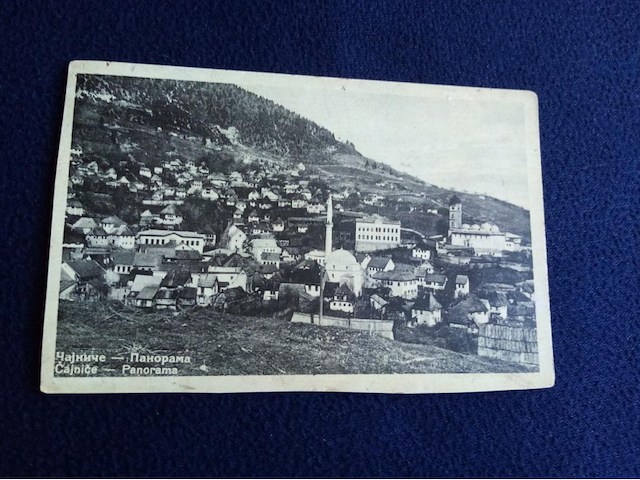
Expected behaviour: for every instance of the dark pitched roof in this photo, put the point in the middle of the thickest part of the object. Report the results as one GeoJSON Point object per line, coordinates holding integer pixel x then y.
{"type": "Point", "coordinates": [435, 277]}
{"type": "Point", "coordinates": [378, 262]}
{"type": "Point", "coordinates": [175, 279]}
{"type": "Point", "coordinates": [330, 288]}
{"type": "Point", "coordinates": [147, 293]}
{"type": "Point", "coordinates": [86, 269]}
{"type": "Point", "coordinates": [455, 200]}
{"type": "Point", "coordinates": [344, 290]}
{"type": "Point", "coordinates": [188, 293]}
{"type": "Point", "coordinates": [427, 303]}
{"type": "Point", "coordinates": [394, 275]}
{"type": "Point", "coordinates": [113, 220]}
{"type": "Point", "coordinates": [496, 299]}
{"type": "Point", "coordinates": [306, 276]}
{"type": "Point", "coordinates": [361, 256]}
{"type": "Point", "coordinates": [167, 294]}
{"type": "Point", "coordinates": [123, 258]}
{"type": "Point", "coordinates": [270, 256]}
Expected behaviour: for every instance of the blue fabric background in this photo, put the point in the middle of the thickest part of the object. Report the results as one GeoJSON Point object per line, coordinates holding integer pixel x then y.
{"type": "Point", "coordinates": [583, 60]}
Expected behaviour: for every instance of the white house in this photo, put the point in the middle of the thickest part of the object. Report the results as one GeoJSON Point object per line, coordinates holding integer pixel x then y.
{"type": "Point", "coordinates": [162, 237]}
{"type": "Point", "coordinates": [229, 277]}
{"type": "Point", "coordinates": [209, 194]}
{"type": "Point", "coordinates": [343, 300]}
{"type": "Point", "coordinates": [379, 264]}
{"type": "Point", "coordinates": [435, 281]}
{"type": "Point", "coordinates": [110, 224]}
{"type": "Point", "coordinates": [75, 208]}
{"type": "Point", "coordinates": [264, 245]}
{"type": "Point", "coordinates": [421, 251]}
{"type": "Point", "coordinates": [426, 311]}
{"type": "Point", "coordinates": [402, 283]}
{"type": "Point", "coordinates": [462, 286]}
{"type": "Point", "coordinates": [84, 225]}
{"type": "Point", "coordinates": [277, 225]}
{"type": "Point", "coordinates": [316, 255]}
{"type": "Point", "coordinates": [207, 288]}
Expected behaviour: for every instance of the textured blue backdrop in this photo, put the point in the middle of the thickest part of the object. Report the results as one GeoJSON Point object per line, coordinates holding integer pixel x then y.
{"type": "Point", "coordinates": [582, 59]}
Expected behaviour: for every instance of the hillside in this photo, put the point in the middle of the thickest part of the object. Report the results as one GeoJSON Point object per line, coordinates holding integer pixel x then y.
{"type": "Point", "coordinates": [232, 345]}
{"type": "Point", "coordinates": [223, 113]}
{"type": "Point", "coordinates": [226, 128]}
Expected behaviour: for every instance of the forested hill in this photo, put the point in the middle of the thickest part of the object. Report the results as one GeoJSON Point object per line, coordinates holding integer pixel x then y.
{"type": "Point", "coordinates": [204, 109]}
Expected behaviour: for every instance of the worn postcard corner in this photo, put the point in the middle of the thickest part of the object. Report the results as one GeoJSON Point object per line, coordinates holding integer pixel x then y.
{"type": "Point", "coordinates": [226, 231]}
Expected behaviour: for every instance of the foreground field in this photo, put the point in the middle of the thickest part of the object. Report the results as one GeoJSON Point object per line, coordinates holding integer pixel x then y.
{"type": "Point", "coordinates": [221, 344]}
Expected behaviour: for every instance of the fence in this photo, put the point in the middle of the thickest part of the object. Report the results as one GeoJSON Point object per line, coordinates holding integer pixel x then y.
{"type": "Point", "coordinates": [382, 328]}
{"type": "Point", "coordinates": [510, 343]}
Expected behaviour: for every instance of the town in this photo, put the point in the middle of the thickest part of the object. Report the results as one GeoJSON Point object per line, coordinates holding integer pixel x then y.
{"type": "Point", "coordinates": [273, 238]}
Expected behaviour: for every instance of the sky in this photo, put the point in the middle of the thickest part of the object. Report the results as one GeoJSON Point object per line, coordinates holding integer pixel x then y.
{"type": "Point", "coordinates": [465, 145]}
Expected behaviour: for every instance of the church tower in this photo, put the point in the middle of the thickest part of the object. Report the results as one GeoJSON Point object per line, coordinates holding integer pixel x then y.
{"type": "Point", "coordinates": [328, 235]}
{"type": "Point", "coordinates": [455, 212]}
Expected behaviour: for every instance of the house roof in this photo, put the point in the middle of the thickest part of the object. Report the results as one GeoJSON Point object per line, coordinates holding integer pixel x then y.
{"type": "Point", "coordinates": [98, 231]}
{"type": "Point", "coordinates": [113, 220]}
{"type": "Point", "coordinates": [462, 279]}
{"type": "Point", "coordinates": [188, 293]}
{"type": "Point", "coordinates": [123, 258]}
{"type": "Point", "coordinates": [268, 269]}
{"type": "Point", "coordinates": [307, 276]}
{"type": "Point", "coordinates": [148, 292]}
{"type": "Point", "coordinates": [496, 299]}
{"type": "Point", "coordinates": [184, 255]}
{"type": "Point", "coordinates": [208, 280]}
{"type": "Point", "coordinates": [395, 276]}
{"type": "Point", "coordinates": [428, 302]}
{"type": "Point", "coordinates": [375, 218]}
{"type": "Point", "coordinates": [379, 300]}
{"type": "Point", "coordinates": [344, 290]}
{"type": "Point", "coordinates": [435, 278]}
{"type": "Point", "coordinates": [169, 210]}
{"type": "Point", "coordinates": [167, 294]}
{"type": "Point", "coordinates": [141, 281]}
{"type": "Point", "coordinates": [143, 259]}
{"type": "Point", "coordinates": [163, 233]}
{"type": "Point", "coordinates": [84, 222]}
{"type": "Point", "coordinates": [175, 279]}
{"type": "Point", "coordinates": [85, 268]}
{"type": "Point", "coordinates": [471, 304]}
{"type": "Point", "coordinates": [455, 200]}
{"type": "Point", "coordinates": [270, 256]}
{"type": "Point", "coordinates": [378, 262]}
{"type": "Point", "coordinates": [330, 288]}
{"type": "Point", "coordinates": [361, 256]}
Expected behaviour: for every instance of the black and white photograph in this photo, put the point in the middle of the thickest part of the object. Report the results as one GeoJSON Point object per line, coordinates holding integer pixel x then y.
{"type": "Point", "coordinates": [236, 231]}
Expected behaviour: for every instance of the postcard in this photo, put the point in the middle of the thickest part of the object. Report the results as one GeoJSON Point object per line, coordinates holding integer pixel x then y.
{"type": "Point", "coordinates": [226, 231]}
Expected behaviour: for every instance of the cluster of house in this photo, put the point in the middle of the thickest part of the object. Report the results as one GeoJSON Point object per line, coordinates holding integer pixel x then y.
{"type": "Point", "coordinates": [154, 265]}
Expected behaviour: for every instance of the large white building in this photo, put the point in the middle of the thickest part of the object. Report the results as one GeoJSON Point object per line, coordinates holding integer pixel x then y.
{"type": "Point", "coordinates": [376, 232]}
{"type": "Point", "coordinates": [161, 237]}
{"type": "Point", "coordinates": [484, 238]}
{"type": "Point", "coordinates": [264, 245]}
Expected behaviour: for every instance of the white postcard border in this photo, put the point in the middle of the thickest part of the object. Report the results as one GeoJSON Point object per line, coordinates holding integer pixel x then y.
{"type": "Point", "coordinates": [365, 383]}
